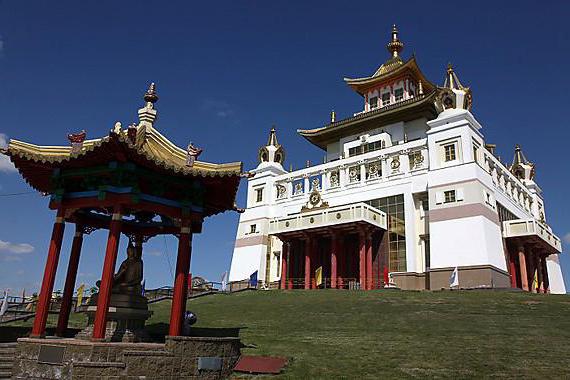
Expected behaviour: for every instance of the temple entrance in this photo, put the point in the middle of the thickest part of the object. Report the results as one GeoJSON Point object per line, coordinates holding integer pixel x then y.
{"type": "Point", "coordinates": [342, 248]}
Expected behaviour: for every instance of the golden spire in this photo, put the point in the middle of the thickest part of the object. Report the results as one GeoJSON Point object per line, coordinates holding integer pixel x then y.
{"type": "Point", "coordinates": [272, 137]}
{"type": "Point", "coordinates": [150, 96]}
{"type": "Point", "coordinates": [333, 116]}
{"type": "Point", "coordinates": [395, 46]}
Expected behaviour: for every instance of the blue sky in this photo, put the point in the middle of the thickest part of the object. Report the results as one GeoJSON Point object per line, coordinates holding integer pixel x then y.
{"type": "Point", "coordinates": [227, 71]}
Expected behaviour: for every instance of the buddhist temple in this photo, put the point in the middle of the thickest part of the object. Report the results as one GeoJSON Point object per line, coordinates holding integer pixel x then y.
{"type": "Point", "coordinates": [409, 194]}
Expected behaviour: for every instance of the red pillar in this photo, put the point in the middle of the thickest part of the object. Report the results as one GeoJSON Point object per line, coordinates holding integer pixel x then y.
{"type": "Point", "coordinates": [369, 279]}
{"type": "Point", "coordinates": [545, 274]}
{"type": "Point", "coordinates": [334, 252]}
{"type": "Point", "coordinates": [67, 299]}
{"type": "Point", "coordinates": [362, 259]}
{"type": "Point", "coordinates": [104, 297]}
{"type": "Point", "coordinates": [180, 285]}
{"type": "Point", "coordinates": [308, 249]}
{"type": "Point", "coordinates": [284, 262]}
{"type": "Point", "coordinates": [44, 299]}
{"type": "Point", "coordinates": [291, 264]}
{"type": "Point", "coordinates": [513, 269]}
{"type": "Point", "coordinates": [522, 265]}
{"type": "Point", "coordinates": [340, 261]}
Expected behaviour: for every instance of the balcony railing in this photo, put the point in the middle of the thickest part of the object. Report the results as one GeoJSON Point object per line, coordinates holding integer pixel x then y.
{"type": "Point", "coordinates": [329, 217]}
{"type": "Point", "coordinates": [381, 165]}
{"type": "Point", "coordinates": [531, 228]}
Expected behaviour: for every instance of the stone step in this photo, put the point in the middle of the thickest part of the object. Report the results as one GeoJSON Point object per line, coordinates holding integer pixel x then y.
{"type": "Point", "coordinates": [5, 375]}
{"type": "Point", "coordinates": [6, 365]}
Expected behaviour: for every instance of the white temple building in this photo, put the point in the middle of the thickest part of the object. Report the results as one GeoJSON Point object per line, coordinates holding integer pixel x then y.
{"type": "Point", "coordinates": [409, 192]}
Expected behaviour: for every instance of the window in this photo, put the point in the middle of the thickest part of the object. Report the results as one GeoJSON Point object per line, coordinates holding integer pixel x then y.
{"type": "Point", "coordinates": [373, 102]}
{"type": "Point", "coordinates": [258, 195]}
{"type": "Point", "coordinates": [365, 148]}
{"type": "Point", "coordinates": [475, 151]}
{"type": "Point", "coordinates": [394, 208]}
{"type": "Point", "coordinates": [385, 99]}
{"type": "Point", "coordinates": [399, 94]}
{"type": "Point", "coordinates": [449, 196]}
{"type": "Point", "coordinates": [253, 228]}
{"type": "Point", "coordinates": [449, 150]}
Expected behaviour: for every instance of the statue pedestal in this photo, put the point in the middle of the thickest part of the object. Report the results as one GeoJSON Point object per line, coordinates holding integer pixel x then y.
{"type": "Point", "coordinates": [126, 318]}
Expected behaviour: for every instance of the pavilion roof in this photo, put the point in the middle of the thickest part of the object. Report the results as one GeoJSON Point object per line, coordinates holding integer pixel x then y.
{"type": "Point", "coordinates": [391, 69]}
{"type": "Point", "coordinates": [155, 148]}
{"type": "Point", "coordinates": [140, 144]}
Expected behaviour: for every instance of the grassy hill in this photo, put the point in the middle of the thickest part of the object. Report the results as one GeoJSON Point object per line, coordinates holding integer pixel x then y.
{"type": "Point", "coordinates": [332, 334]}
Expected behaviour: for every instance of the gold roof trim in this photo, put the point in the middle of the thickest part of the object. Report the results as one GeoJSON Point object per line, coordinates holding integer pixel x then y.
{"type": "Point", "coordinates": [392, 67]}
{"type": "Point", "coordinates": [155, 147]}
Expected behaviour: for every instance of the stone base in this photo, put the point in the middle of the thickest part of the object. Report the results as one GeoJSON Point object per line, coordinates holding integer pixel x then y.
{"type": "Point", "coordinates": [125, 319]}
{"type": "Point", "coordinates": [470, 277]}
{"type": "Point", "coordinates": [178, 358]}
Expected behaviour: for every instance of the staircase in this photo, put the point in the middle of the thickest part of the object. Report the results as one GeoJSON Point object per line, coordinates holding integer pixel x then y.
{"type": "Point", "coordinates": [7, 352]}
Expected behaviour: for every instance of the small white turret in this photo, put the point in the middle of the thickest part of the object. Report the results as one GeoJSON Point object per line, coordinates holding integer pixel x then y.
{"type": "Point", "coordinates": [453, 94]}
{"type": "Point", "coordinates": [271, 156]}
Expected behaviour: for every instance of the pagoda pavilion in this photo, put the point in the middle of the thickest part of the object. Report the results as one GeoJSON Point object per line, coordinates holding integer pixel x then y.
{"type": "Point", "coordinates": [133, 181]}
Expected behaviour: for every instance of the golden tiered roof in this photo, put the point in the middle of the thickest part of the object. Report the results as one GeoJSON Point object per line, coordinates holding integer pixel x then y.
{"type": "Point", "coordinates": [392, 68]}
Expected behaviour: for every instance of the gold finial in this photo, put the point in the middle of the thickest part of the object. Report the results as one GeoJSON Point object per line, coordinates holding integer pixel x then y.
{"type": "Point", "coordinates": [150, 96]}
{"type": "Point", "coordinates": [395, 46]}
{"type": "Point", "coordinates": [272, 137]}
{"type": "Point", "coordinates": [450, 75]}
{"type": "Point", "coordinates": [333, 116]}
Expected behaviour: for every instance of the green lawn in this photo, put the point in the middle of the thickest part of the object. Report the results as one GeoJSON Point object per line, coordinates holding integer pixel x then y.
{"type": "Point", "coordinates": [393, 334]}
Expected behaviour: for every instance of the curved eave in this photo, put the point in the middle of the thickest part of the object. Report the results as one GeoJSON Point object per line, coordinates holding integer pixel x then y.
{"type": "Point", "coordinates": [362, 85]}
{"type": "Point", "coordinates": [411, 109]}
{"type": "Point", "coordinates": [36, 164]}
{"type": "Point", "coordinates": [156, 149]}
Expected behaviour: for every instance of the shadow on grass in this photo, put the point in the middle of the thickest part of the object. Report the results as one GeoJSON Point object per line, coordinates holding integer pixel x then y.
{"type": "Point", "coordinates": [158, 331]}
{"type": "Point", "coordinates": [12, 333]}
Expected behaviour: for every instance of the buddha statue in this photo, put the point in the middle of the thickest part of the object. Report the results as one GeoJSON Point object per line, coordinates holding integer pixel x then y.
{"type": "Point", "coordinates": [128, 278]}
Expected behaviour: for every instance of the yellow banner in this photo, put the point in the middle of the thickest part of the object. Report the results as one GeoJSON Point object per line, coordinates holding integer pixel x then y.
{"type": "Point", "coordinates": [80, 294]}
{"type": "Point", "coordinates": [319, 275]}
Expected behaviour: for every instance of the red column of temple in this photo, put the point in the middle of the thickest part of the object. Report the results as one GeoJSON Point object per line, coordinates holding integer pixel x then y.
{"type": "Point", "coordinates": [67, 299]}
{"type": "Point", "coordinates": [531, 264]}
{"type": "Point", "coordinates": [293, 247]}
{"type": "Point", "coordinates": [522, 266]}
{"type": "Point", "coordinates": [308, 249]}
{"type": "Point", "coordinates": [540, 277]}
{"type": "Point", "coordinates": [340, 261]}
{"type": "Point", "coordinates": [369, 279]}
{"type": "Point", "coordinates": [104, 298]}
{"type": "Point", "coordinates": [362, 259]}
{"type": "Point", "coordinates": [334, 253]}
{"type": "Point", "coordinates": [44, 299]}
{"type": "Point", "coordinates": [180, 282]}
{"type": "Point", "coordinates": [284, 262]}
{"type": "Point", "coordinates": [513, 269]}
{"type": "Point", "coordinates": [545, 272]}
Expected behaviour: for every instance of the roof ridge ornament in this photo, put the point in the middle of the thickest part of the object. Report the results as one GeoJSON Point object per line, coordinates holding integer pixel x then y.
{"type": "Point", "coordinates": [151, 97]}
{"type": "Point", "coordinates": [147, 114]}
{"type": "Point", "coordinates": [395, 46]}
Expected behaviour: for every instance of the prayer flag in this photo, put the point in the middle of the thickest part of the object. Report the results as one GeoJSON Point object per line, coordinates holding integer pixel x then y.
{"type": "Point", "coordinates": [4, 306]}
{"type": "Point", "coordinates": [454, 279]}
{"type": "Point", "coordinates": [80, 294]}
{"type": "Point", "coordinates": [319, 275]}
{"type": "Point", "coordinates": [253, 280]}
{"type": "Point", "coordinates": [224, 281]}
